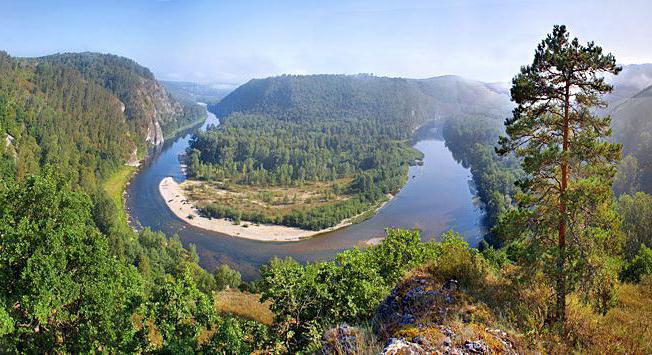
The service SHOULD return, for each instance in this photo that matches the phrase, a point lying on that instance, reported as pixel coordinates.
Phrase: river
(437, 197)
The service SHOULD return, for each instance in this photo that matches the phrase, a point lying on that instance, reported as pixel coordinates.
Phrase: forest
(260, 150)
(568, 268)
(294, 130)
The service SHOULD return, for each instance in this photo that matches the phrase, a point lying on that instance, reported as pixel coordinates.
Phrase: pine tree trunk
(561, 277)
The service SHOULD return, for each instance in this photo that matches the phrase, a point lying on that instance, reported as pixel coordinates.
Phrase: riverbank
(175, 197)
(115, 186)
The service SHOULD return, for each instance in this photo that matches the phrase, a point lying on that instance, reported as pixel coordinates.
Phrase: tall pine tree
(565, 208)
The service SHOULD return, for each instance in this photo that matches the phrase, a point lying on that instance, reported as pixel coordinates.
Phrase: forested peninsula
(312, 151)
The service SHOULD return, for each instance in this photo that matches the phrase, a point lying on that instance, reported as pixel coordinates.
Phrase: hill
(410, 101)
(630, 107)
(86, 113)
(632, 124)
(151, 110)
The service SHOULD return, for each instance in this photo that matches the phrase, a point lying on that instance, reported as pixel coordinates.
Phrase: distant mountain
(411, 101)
(633, 79)
(632, 125)
(195, 92)
(454, 94)
(150, 109)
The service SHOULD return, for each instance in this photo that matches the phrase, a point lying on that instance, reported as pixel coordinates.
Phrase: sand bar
(175, 197)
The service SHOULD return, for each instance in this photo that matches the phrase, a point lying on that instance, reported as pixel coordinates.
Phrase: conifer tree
(565, 208)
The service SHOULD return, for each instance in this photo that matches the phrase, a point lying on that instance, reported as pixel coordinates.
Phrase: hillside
(86, 113)
(632, 127)
(408, 101)
(50, 114)
(151, 111)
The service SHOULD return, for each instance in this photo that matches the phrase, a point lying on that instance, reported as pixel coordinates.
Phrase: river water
(438, 196)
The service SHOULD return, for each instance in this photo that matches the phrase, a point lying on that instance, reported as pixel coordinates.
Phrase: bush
(225, 277)
(457, 261)
(639, 266)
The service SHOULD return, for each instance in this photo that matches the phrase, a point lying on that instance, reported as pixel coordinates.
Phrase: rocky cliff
(149, 108)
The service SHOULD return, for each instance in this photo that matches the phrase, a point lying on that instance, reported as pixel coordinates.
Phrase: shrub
(225, 277)
(639, 266)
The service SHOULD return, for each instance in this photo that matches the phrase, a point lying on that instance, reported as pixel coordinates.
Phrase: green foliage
(640, 265)
(179, 312)
(496, 257)
(104, 212)
(457, 261)
(636, 213)
(225, 277)
(60, 288)
(628, 177)
(238, 336)
(306, 299)
(570, 226)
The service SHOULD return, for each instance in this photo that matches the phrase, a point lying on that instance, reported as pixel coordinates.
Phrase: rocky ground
(422, 316)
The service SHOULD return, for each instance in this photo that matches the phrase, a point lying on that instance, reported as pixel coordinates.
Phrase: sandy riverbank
(174, 195)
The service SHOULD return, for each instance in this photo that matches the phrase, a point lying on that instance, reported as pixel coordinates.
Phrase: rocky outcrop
(154, 133)
(10, 146)
(401, 346)
(144, 101)
(421, 316)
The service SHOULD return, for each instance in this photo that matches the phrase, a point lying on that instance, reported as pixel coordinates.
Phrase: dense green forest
(292, 130)
(52, 115)
(87, 113)
(145, 100)
(263, 151)
(74, 278)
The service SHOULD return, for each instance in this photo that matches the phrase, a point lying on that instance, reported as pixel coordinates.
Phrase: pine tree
(565, 206)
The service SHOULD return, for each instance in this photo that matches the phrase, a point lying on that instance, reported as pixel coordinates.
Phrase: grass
(270, 201)
(243, 304)
(115, 186)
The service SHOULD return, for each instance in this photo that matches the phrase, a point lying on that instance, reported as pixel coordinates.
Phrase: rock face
(152, 103)
(154, 133)
(422, 316)
(9, 145)
(146, 104)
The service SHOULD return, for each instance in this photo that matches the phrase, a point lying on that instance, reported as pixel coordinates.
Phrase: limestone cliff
(150, 110)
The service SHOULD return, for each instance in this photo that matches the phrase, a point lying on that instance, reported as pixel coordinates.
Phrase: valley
(142, 212)
(440, 175)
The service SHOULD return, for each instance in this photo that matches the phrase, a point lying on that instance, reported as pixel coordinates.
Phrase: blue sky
(234, 41)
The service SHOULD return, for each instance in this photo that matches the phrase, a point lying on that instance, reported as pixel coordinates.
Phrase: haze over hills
(411, 100)
(196, 92)
(632, 122)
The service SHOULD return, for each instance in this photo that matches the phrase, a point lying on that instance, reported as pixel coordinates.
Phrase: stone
(400, 346)
(476, 347)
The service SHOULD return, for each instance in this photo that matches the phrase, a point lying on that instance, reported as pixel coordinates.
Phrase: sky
(215, 41)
